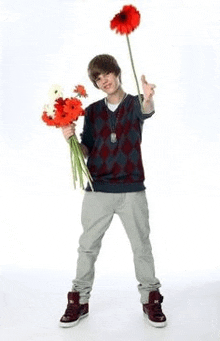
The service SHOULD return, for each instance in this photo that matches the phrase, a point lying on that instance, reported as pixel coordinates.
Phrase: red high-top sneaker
(74, 311)
(153, 310)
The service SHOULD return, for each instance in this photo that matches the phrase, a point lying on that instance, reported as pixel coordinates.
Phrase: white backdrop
(177, 47)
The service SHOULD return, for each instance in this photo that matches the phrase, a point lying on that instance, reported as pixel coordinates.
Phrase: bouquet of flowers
(62, 112)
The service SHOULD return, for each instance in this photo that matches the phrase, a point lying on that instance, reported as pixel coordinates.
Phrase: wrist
(148, 100)
(148, 105)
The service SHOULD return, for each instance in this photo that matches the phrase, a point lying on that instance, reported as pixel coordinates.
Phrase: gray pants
(98, 210)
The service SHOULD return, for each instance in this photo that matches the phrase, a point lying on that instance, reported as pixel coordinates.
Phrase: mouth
(107, 86)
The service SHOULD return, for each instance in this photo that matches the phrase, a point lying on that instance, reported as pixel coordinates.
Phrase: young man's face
(108, 82)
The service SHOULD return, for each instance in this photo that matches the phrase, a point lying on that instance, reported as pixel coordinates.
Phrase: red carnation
(126, 20)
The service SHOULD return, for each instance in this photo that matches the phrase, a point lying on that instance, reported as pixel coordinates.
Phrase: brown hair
(103, 63)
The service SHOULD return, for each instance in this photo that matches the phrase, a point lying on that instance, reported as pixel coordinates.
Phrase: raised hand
(148, 89)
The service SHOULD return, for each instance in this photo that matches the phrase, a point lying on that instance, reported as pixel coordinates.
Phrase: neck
(116, 97)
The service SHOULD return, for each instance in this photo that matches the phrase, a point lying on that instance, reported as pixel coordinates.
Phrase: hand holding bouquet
(62, 112)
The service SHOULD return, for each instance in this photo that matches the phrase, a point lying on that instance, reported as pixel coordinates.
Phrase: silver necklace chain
(113, 135)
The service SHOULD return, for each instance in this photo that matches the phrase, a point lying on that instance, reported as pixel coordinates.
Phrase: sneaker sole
(72, 324)
(155, 324)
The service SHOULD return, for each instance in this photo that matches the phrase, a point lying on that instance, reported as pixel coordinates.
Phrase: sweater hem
(116, 188)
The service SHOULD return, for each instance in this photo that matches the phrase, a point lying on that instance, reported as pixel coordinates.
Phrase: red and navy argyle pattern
(115, 167)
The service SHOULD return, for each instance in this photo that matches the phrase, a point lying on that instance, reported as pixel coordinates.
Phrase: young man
(111, 140)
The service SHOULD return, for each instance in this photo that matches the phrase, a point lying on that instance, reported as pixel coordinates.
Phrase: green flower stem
(78, 164)
(73, 163)
(135, 76)
(83, 166)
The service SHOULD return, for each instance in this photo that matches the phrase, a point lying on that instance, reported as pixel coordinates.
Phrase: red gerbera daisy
(126, 20)
(59, 104)
(80, 90)
(73, 106)
(70, 111)
(49, 120)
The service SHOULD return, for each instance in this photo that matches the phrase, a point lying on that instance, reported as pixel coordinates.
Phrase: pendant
(113, 138)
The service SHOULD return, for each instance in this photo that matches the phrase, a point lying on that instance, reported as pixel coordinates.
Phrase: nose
(104, 79)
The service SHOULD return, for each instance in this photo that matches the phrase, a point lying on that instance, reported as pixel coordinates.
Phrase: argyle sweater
(115, 167)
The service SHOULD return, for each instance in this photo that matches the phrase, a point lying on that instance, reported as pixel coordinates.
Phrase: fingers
(69, 130)
(143, 79)
(148, 88)
(144, 82)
